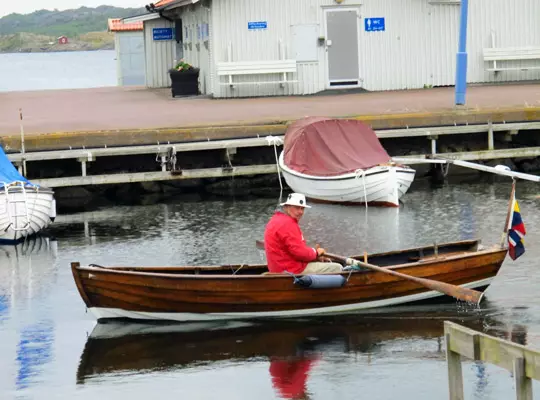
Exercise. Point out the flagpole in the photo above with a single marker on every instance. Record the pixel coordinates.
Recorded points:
(509, 212)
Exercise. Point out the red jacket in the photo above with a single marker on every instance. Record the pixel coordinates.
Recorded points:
(285, 247)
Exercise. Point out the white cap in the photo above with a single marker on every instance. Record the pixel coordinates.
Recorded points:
(296, 199)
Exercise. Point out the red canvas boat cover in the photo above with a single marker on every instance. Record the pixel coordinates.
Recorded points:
(329, 147)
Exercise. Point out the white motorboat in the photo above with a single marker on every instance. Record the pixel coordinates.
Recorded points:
(25, 208)
(341, 161)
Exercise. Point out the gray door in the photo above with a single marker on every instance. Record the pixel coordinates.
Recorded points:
(132, 58)
(342, 47)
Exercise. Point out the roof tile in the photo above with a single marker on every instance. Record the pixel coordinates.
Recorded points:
(117, 25)
(162, 3)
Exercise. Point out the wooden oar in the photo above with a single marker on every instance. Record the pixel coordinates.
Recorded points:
(468, 295)
(464, 294)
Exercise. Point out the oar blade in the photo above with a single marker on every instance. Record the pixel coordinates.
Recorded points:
(458, 292)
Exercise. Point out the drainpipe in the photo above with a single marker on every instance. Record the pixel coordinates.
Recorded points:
(164, 17)
(461, 57)
(151, 8)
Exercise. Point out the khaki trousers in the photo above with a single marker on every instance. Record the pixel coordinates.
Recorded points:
(322, 268)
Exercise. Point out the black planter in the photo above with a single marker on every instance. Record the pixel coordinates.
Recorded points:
(184, 83)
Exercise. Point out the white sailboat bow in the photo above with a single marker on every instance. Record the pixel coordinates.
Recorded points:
(380, 185)
(341, 161)
(25, 208)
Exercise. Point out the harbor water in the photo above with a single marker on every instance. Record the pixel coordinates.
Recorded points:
(57, 70)
(53, 349)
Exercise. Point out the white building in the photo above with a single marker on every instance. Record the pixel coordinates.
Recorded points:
(130, 52)
(286, 47)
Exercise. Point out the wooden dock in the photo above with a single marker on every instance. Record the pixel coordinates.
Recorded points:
(166, 153)
(61, 148)
(521, 361)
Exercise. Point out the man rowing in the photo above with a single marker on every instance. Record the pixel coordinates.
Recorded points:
(284, 244)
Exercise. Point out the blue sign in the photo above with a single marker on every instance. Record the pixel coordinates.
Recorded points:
(162, 33)
(257, 25)
(374, 24)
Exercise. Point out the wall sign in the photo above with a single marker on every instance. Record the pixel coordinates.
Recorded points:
(162, 33)
(374, 24)
(205, 31)
(257, 25)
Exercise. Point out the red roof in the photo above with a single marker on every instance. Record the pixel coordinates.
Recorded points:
(162, 3)
(117, 25)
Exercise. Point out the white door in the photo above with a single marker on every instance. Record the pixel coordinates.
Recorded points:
(342, 47)
(132, 58)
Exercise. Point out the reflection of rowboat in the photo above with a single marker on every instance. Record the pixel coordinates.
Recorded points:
(117, 347)
(341, 161)
(243, 291)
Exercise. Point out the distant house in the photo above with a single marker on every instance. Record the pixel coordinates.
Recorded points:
(129, 45)
(62, 40)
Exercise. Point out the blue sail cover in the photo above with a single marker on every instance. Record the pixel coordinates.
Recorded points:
(8, 173)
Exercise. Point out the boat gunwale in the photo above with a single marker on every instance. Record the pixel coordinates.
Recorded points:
(429, 262)
(347, 175)
(30, 187)
(470, 242)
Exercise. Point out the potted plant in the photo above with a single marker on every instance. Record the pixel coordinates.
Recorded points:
(184, 79)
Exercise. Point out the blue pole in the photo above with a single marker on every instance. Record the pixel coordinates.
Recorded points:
(461, 57)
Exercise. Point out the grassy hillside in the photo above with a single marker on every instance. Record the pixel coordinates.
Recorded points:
(86, 29)
(70, 23)
(30, 42)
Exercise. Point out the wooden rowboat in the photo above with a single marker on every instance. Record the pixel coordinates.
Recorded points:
(245, 292)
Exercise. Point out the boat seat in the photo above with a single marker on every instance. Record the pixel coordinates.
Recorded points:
(435, 257)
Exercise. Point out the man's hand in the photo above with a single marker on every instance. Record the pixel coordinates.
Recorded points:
(320, 254)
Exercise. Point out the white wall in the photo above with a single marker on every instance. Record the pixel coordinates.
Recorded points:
(160, 54)
(230, 26)
(417, 49)
(514, 23)
(196, 23)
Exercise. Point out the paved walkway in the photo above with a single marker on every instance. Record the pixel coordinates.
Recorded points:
(118, 108)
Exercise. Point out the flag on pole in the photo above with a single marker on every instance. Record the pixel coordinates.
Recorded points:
(516, 231)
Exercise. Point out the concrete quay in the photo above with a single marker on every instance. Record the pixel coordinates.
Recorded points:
(122, 116)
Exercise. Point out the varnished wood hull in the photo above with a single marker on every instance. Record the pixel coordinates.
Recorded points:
(181, 294)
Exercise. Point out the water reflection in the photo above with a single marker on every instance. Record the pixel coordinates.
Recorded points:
(347, 358)
(233, 226)
(28, 271)
(290, 374)
(34, 350)
(27, 274)
(292, 349)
